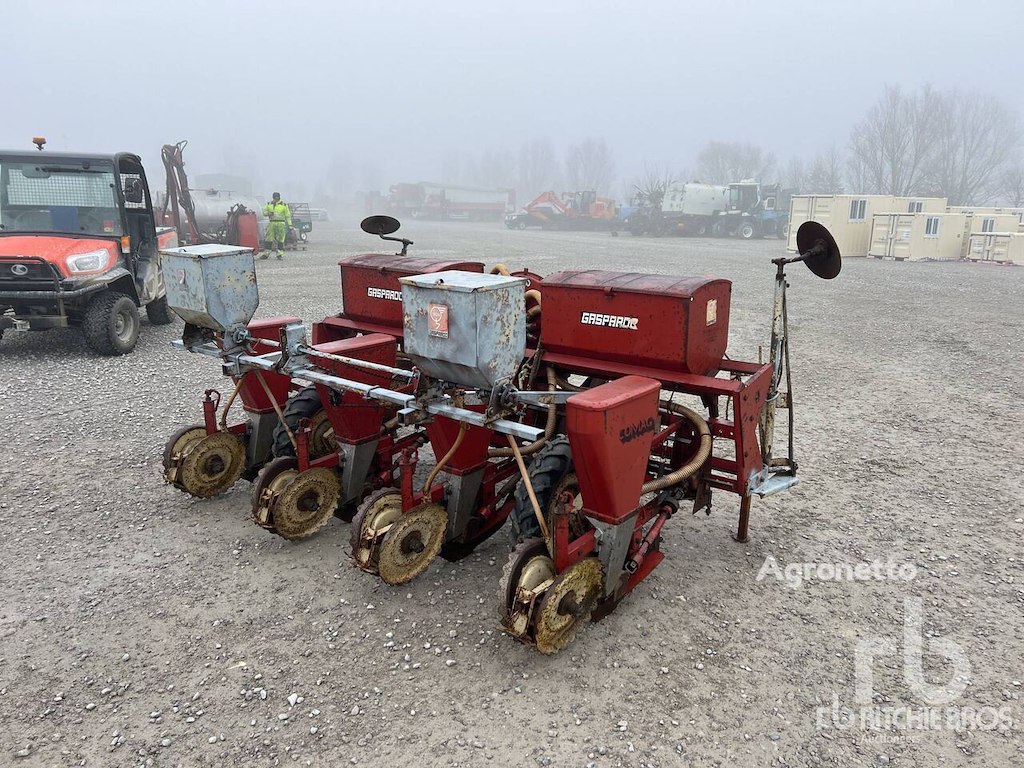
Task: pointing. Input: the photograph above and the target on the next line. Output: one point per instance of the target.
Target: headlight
(93, 261)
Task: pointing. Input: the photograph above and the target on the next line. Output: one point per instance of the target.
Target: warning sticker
(438, 323)
(712, 316)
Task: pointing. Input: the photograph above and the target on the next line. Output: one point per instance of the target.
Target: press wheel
(306, 503)
(567, 603)
(375, 514)
(211, 465)
(529, 566)
(176, 446)
(411, 544)
(272, 479)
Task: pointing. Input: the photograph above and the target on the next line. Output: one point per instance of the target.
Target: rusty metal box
(369, 284)
(640, 320)
(466, 328)
(212, 286)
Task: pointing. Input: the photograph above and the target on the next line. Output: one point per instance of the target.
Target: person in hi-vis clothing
(280, 220)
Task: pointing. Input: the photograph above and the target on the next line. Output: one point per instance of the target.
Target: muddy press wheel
(211, 465)
(306, 503)
(412, 543)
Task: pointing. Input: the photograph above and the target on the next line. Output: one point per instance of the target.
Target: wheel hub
(412, 544)
(321, 438)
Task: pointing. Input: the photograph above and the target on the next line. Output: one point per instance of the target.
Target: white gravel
(121, 598)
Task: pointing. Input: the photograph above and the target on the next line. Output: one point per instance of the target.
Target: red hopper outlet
(610, 431)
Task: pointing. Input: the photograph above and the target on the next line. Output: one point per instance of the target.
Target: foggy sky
(289, 86)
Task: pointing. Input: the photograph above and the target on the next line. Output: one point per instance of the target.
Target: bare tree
(825, 176)
(892, 146)
(589, 165)
(794, 173)
(538, 168)
(722, 162)
(1011, 185)
(858, 176)
(649, 189)
(976, 138)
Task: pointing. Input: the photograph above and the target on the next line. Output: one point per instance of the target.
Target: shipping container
(1001, 247)
(994, 221)
(850, 217)
(986, 210)
(919, 236)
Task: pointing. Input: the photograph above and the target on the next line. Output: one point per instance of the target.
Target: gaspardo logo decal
(438, 324)
(609, 321)
(384, 293)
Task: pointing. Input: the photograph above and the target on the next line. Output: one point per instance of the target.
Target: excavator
(571, 210)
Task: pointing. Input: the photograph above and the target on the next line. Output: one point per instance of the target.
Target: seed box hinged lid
(465, 328)
(211, 286)
(369, 283)
(663, 322)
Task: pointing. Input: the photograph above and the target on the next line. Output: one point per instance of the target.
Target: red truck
(79, 247)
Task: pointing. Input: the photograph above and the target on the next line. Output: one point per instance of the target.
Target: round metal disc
(321, 437)
(379, 510)
(567, 604)
(412, 543)
(306, 504)
(211, 465)
(827, 262)
(379, 225)
(529, 565)
(180, 440)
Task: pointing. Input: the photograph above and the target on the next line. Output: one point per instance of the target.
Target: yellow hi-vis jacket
(278, 212)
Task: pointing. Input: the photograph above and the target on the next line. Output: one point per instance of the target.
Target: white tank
(695, 199)
(212, 206)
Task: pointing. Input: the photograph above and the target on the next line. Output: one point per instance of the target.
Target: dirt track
(138, 626)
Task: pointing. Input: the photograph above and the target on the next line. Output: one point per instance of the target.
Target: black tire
(521, 225)
(549, 469)
(158, 312)
(747, 231)
(304, 404)
(111, 324)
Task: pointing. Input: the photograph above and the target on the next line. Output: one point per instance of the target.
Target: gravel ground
(141, 627)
